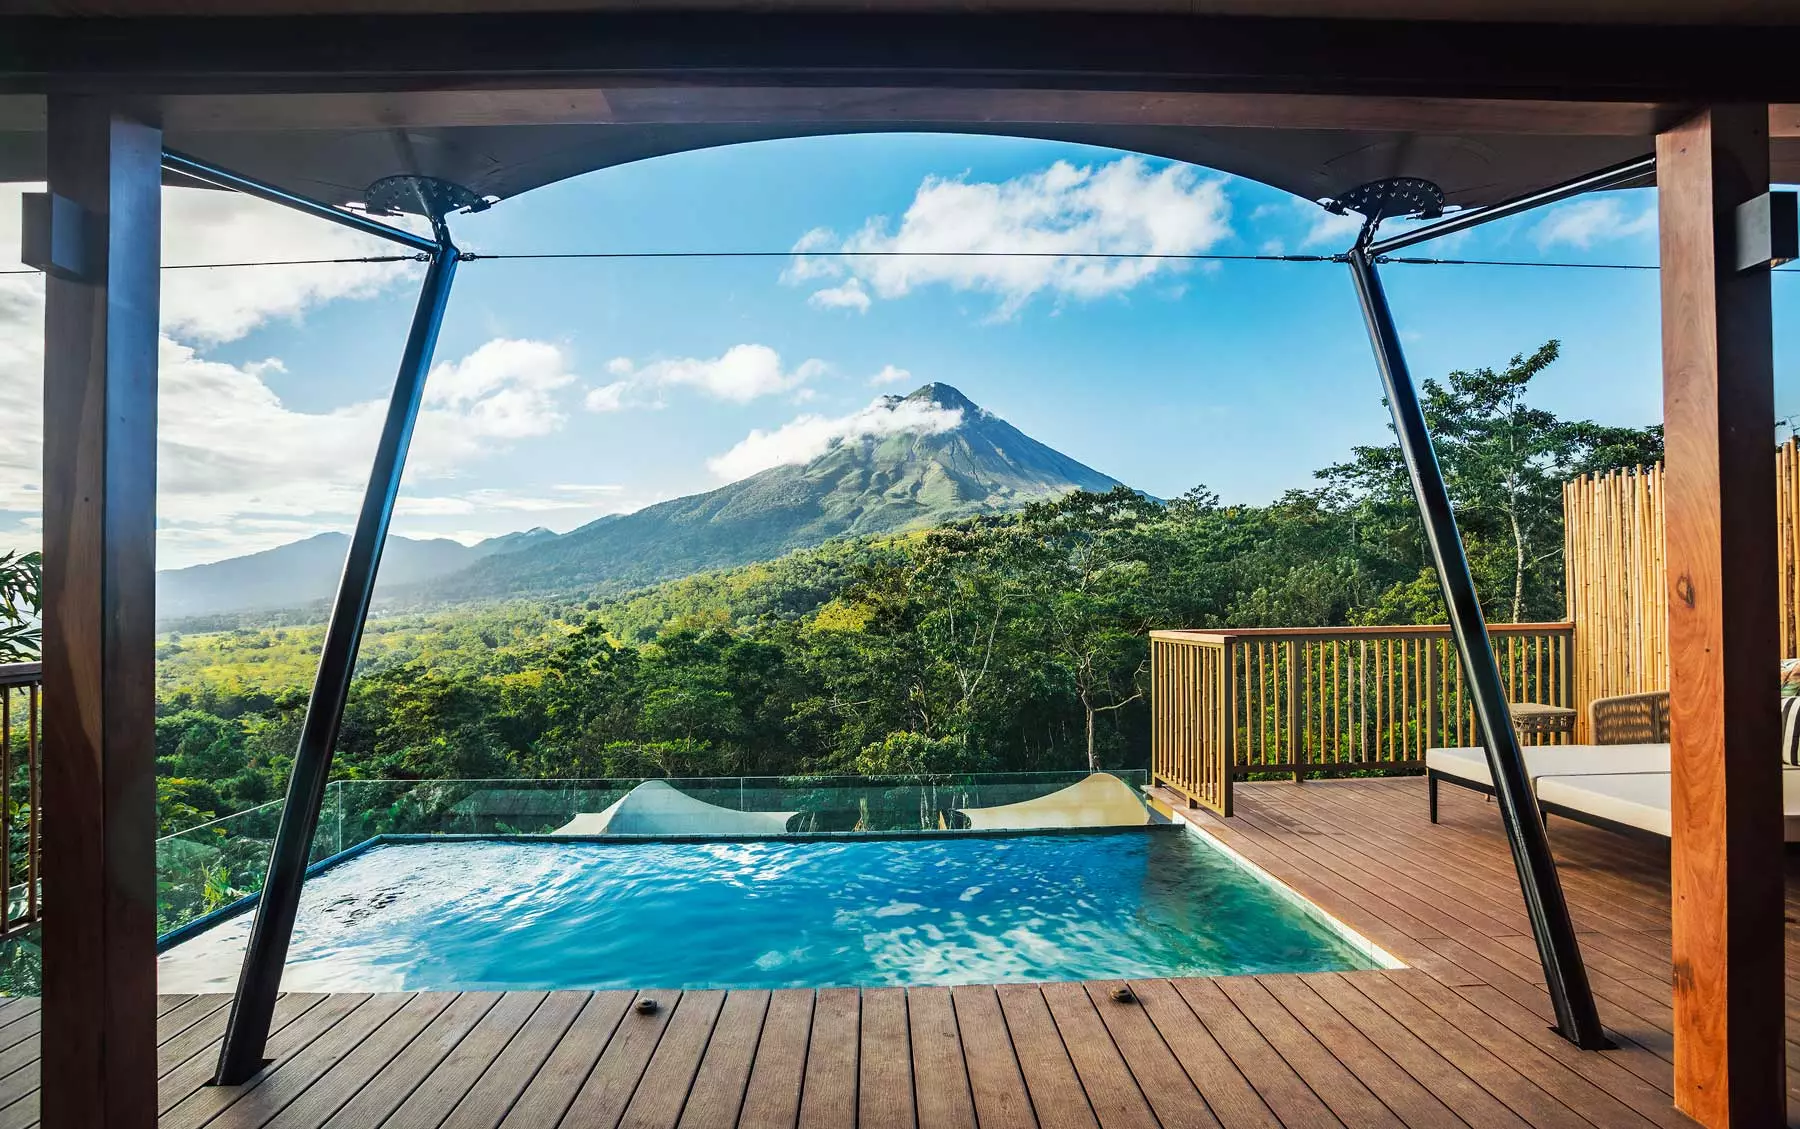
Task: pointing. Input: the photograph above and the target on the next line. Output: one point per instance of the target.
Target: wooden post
(99, 864)
(1718, 407)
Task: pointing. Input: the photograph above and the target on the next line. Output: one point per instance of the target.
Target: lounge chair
(1637, 803)
(1468, 768)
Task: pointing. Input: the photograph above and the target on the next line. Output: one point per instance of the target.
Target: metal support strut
(1564, 973)
(259, 982)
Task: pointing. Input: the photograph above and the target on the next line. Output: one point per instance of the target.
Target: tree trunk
(1093, 765)
(1518, 601)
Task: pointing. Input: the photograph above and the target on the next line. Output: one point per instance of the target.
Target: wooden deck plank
(1549, 1094)
(1057, 1096)
(996, 1087)
(772, 1097)
(1165, 1086)
(551, 1027)
(1459, 1040)
(663, 1091)
(394, 1082)
(1473, 1105)
(1227, 1092)
(1286, 1093)
(175, 1020)
(1336, 1087)
(322, 1037)
(1504, 1028)
(559, 1078)
(1402, 1093)
(716, 1096)
(196, 1071)
(1112, 1092)
(462, 1069)
(603, 1098)
(828, 1097)
(884, 1095)
(313, 1105)
(940, 1074)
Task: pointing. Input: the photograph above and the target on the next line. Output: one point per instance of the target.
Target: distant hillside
(935, 456)
(307, 572)
(974, 462)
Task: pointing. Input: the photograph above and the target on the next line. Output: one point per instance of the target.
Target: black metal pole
(1628, 174)
(1564, 973)
(196, 169)
(260, 980)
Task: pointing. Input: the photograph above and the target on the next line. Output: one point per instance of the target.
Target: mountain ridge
(920, 460)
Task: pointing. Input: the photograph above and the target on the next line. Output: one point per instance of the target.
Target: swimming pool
(769, 914)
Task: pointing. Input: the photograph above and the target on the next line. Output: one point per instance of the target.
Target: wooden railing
(1305, 701)
(21, 699)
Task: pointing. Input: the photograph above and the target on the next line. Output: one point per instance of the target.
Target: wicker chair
(1631, 719)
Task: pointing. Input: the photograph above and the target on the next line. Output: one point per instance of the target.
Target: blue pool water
(494, 915)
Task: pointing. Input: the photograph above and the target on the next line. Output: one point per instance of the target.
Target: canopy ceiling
(1555, 11)
(502, 144)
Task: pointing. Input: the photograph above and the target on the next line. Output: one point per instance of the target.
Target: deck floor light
(1565, 974)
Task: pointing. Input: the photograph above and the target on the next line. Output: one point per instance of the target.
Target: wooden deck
(1458, 1039)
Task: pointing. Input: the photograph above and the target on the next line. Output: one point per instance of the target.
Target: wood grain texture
(1719, 499)
(99, 782)
(1460, 1039)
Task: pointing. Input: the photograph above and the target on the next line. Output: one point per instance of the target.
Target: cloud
(806, 437)
(607, 397)
(890, 374)
(1328, 229)
(238, 469)
(850, 295)
(1593, 220)
(562, 498)
(1124, 207)
(505, 388)
(741, 374)
(224, 304)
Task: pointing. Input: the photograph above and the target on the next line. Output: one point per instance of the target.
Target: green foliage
(21, 597)
(1013, 642)
(914, 754)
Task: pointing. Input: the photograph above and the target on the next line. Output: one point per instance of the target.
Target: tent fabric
(656, 808)
(1100, 800)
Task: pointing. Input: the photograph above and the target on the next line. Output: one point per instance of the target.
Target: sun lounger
(1468, 768)
(1637, 803)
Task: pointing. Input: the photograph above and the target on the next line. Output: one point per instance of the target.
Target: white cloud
(238, 469)
(1593, 220)
(506, 388)
(849, 295)
(806, 437)
(607, 397)
(1328, 229)
(1123, 207)
(211, 306)
(594, 498)
(741, 374)
(890, 374)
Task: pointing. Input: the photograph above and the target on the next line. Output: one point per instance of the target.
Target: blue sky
(569, 389)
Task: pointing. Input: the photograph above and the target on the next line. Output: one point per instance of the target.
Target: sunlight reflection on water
(474, 915)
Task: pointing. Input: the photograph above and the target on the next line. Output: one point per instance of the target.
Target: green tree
(21, 594)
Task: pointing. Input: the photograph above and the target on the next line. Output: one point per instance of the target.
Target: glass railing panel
(210, 866)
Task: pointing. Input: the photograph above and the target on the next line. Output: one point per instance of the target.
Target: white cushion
(1636, 799)
(1641, 799)
(1553, 760)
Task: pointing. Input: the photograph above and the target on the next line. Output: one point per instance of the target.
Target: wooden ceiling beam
(1068, 51)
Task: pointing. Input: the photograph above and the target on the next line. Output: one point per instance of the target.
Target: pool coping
(1374, 952)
